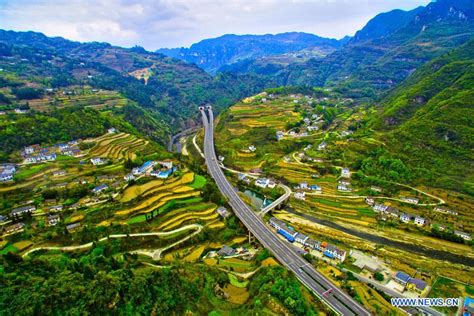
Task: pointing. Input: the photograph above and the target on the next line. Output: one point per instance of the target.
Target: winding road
(155, 254)
(336, 299)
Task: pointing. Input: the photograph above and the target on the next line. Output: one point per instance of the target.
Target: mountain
(381, 55)
(384, 24)
(429, 121)
(212, 54)
(367, 66)
(164, 90)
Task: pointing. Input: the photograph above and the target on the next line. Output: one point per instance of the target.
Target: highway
(336, 299)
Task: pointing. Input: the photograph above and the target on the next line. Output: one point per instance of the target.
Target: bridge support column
(251, 238)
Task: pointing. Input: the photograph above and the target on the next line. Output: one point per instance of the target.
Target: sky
(155, 24)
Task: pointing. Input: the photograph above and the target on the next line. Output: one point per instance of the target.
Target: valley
(245, 174)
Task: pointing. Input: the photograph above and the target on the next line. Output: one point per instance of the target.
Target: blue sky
(172, 23)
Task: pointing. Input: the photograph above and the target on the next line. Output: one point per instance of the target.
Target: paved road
(337, 300)
(278, 201)
(158, 252)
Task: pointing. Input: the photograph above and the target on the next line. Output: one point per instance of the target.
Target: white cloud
(170, 23)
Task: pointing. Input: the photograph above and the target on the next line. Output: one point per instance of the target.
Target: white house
(344, 188)
(252, 148)
(262, 182)
(380, 207)
(322, 145)
(406, 218)
(97, 161)
(129, 177)
(303, 186)
(301, 238)
(345, 173)
(168, 163)
(222, 211)
(369, 201)
(300, 195)
(420, 221)
(111, 130)
(462, 234)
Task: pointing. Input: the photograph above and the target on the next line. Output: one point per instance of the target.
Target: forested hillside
(158, 95)
(429, 119)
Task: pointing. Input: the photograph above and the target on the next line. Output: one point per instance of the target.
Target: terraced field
(98, 100)
(118, 146)
(255, 123)
(176, 202)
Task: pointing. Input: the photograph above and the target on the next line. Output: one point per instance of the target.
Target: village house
(146, 167)
(370, 201)
(401, 278)
(100, 188)
(7, 171)
(345, 173)
(271, 184)
(111, 130)
(252, 148)
(279, 135)
(55, 208)
(393, 212)
(379, 207)
(322, 145)
(129, 177)
(262, 182)
(312, 128)
(223, 212)
(20, 111)
(344, 182)
(300, 195)
(302, 186)
(72, 152)
(165, 163)
(32, 149)
(243, 177)
(462, 234)
(406, 218)
(3, 218)
(15, 228)
(301, 238)
(97, 161)
(21, 211)
(74, 226)
(53, 219)
(420, 221)
(316, 188)
(162, 174)
(416, 285)
(59, 173)
(310, 243)
(226, 251)
(40, 158)
(344, 188)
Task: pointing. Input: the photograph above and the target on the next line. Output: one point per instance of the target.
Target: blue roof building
(402, 277)
(100, 188)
